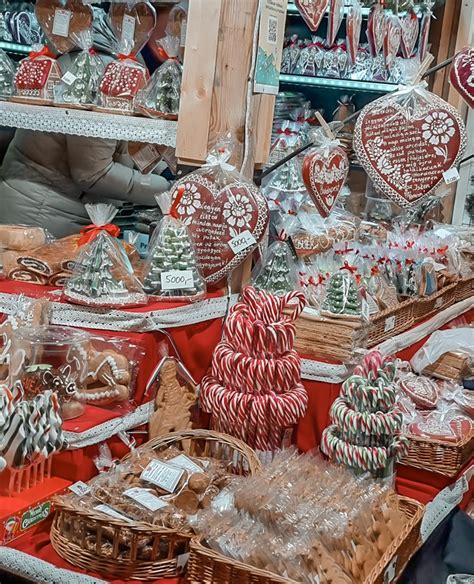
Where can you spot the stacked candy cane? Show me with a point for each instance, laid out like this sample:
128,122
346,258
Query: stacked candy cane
254,390
366,424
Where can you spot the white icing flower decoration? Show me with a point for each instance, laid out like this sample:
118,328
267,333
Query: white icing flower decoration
190,201
438,128
238,212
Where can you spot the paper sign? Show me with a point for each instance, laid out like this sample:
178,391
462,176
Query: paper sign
182,37
182,562
184,462
68,78
145,498
80,488
162,475
451,175
389,323
109,511
390,572
128,30
62,19
177,280
365,310
242,241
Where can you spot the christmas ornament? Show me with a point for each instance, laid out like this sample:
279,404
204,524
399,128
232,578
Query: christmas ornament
7,73
375,29
353,28
410,28
312,12
171,271
103,276
462,75
226,215
392,39
335,16
132,23
406,141
342,297
62,19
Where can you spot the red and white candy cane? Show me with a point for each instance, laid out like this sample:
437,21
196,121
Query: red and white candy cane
368,458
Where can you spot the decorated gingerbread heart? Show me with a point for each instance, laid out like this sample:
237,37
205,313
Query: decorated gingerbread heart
324,174
353,27
462,74
391,39
442,427
424,35
132,24
312,12
423,391
375,29
335,16
225,224
406,141
410,28
63,21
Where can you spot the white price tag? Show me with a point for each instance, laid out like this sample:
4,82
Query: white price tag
128,30
391,570
62,19
145,498
184,462
182,38
365,310
68,78
80,488
182,562
109,511
242,241
438,302
389,324
451,175
177,280
162,475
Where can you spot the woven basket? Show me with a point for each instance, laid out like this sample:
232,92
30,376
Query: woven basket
445,458
465,288
430,305
209,567
115,548
390,322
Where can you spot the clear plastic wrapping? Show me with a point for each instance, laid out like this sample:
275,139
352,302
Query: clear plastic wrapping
7,74
36,77
62,22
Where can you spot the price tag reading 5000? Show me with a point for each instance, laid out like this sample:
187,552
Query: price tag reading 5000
177,280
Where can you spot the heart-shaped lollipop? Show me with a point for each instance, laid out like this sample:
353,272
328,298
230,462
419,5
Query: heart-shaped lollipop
132,24
63,21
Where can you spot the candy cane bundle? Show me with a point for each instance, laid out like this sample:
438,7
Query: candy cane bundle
254,389
366,424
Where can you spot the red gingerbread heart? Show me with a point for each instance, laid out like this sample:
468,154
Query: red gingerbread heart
406,149
410,29
442,427
375,29
312,12
63,21
424,35
335,17
133,24
225,225
392,39
324,175
353,28
421,390
462,75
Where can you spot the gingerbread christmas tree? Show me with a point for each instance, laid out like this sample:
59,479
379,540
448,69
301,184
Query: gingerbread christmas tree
342,296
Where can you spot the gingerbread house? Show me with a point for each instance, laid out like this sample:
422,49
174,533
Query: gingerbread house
120,85
36,79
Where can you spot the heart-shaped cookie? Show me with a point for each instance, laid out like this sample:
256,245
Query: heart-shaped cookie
132,24
353,28
375,29
312,12
410,29
423,391
391,39
424,35
226,225
63,21
462,75
442,427
405,151
335,16
324,175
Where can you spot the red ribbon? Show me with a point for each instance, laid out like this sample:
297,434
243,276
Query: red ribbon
92,51
123,57
92,231
442,250
375,271
164,55
286,132
45,52
348,267
174,207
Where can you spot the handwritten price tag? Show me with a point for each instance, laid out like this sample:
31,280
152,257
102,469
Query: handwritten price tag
80,488
177,280
389,324
128,29
68,78
242,242
162,475
145,498
365,310
62,19
451,175
112,512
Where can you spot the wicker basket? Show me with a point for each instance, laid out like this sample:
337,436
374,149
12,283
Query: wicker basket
430,305
209,567
116,548
445,458
390,322
465,288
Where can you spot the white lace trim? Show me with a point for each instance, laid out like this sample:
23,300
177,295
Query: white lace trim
110,428
121,320
87,123
319,371
38,571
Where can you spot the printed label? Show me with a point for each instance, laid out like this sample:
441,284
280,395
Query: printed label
62,19
242,241
68,78
110,511
162,475
35,515
80,488
182,461
182,36
177,280
389,324
451,175
145,498
128,30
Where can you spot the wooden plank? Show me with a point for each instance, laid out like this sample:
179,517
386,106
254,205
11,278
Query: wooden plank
198,80
463,38
444,44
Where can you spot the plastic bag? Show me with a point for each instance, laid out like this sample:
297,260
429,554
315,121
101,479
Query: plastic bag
160,97
103,275
440,342
79,85
7,73
171,270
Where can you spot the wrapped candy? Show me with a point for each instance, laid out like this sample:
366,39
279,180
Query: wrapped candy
36,77
7,73
172,271
160,97
103,275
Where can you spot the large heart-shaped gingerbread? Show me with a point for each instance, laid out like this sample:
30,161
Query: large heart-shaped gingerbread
312,12
375,29
335,16
324,174
353,28
442,427
137,21
422,390
392,39
63,21
462,74
225,225
405,149
410,29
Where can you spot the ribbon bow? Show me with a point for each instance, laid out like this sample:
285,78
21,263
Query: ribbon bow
174,207
124,57
164,55
92,231
44,52
349,268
